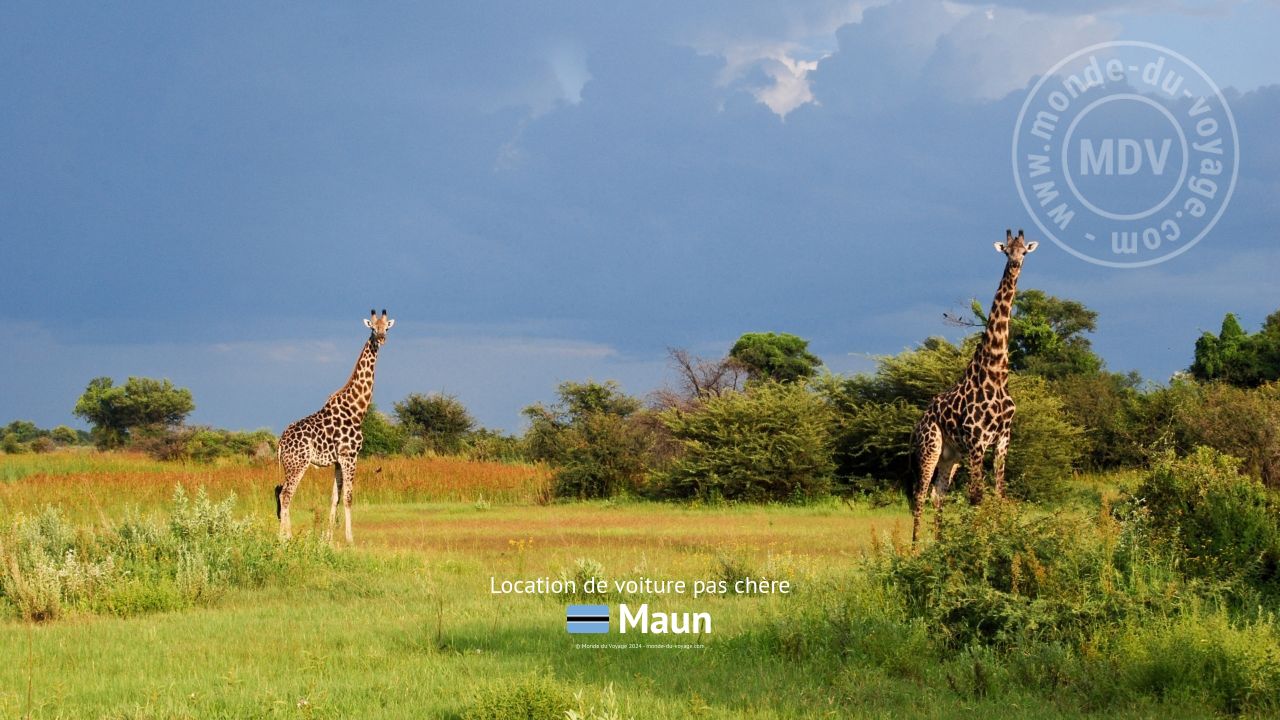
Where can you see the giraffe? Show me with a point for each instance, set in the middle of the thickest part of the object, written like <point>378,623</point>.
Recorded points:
<point>332,435</point>
<point>964,422</point>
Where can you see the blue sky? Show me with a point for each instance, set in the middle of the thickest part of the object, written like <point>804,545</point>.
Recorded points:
<point>541,192</point>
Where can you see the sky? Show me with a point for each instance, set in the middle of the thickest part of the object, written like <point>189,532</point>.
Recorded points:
<point>540,192</point>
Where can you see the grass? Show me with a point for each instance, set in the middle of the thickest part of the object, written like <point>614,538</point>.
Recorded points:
<point>92,484</point>
<point>406,627</point>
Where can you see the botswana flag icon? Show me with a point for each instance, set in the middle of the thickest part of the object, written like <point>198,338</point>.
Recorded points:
<point>587,618</point>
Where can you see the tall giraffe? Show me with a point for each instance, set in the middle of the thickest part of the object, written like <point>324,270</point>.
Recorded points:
<point>332,435</point>
<point>975,415</point>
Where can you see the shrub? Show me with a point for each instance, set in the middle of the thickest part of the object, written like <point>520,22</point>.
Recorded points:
<point>381,436</point>
<point>1044,445</point>
<point>11,445</point>
<point>1222,524</point>
<point>48,567</point>
<point>584,570</point>
<point>596,438</point>
<point>64,435</point>
<point>493,446</point>
<point>1241,422</point>
<point>440,420</point>
<point>1233,665</point>
<point>205,444</point>
<point>772,442</point>
<point>1005,577</point>
<point>1115,418</point>
<point>532,697</point>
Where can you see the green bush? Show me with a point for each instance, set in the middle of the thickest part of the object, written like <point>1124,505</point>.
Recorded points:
<point>596,438</point>
<point>205,444</point>
<point>441,421</point>
<point>493,446</point>
<point>1223,525</point>
<point>1044,446</point>
<point>381,436</point>
<point>1241,422</point>
<point>49,568</point>
<point>1114,415</point>
<point>1004,577</point>
<point>532,697</point>
<point>772,442</point>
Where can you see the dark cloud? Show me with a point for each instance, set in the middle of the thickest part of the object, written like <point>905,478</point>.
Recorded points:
<point>178,182</point>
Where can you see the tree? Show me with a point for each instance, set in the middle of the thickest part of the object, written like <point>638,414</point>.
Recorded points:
<point>24,431</point>
<point>115,412</point>
<point>698,378</point>
<point>775,356</point>
<point>64,435</point>
<point>595,436</point>
<point>440,420</point>
<point>381,436</point>
<point>772,442</point>
<point>1237,357</point>
<point>1046,335</point>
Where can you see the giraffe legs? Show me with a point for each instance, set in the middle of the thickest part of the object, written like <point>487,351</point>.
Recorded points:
<point>928,452</point>
<point>347,468</point>
<point>977,481</point>
<point>333,503</point>
<point>946,473</point>
<point>284,496</point>
<point>1002,449</point>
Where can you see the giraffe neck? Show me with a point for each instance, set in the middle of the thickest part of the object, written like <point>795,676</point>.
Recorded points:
<point>357,394</point>
<point>992,356</point>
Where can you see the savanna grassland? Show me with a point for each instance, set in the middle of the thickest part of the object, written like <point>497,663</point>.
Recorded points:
<point>404,625</point>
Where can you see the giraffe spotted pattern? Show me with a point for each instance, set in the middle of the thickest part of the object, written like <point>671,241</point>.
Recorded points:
<point>332,435</point>
<point>963,423</point>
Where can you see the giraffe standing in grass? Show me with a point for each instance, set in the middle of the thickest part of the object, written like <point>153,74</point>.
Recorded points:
<point>961,424</point>
<point>332,435</point>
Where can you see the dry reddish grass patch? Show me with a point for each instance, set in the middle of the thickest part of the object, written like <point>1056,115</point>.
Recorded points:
<point>87,483</point>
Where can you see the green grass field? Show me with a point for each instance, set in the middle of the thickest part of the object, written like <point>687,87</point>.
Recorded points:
<point>406,626</point>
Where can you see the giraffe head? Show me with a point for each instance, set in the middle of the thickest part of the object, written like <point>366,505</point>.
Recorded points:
<point>379,326</point>
<point>1016,248</point>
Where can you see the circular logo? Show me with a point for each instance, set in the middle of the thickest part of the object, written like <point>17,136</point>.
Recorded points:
<point>1125,154</point>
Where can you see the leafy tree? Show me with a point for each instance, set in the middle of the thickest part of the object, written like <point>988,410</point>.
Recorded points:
<point>772,442</point>
<point>1242,422</point>
<point>381,436</point>
<point>141,403</point>
<point>580,400</point>
<point>775,356</point>
<point>1119,420</point>
<point>1237,357</point>
<point>24,431</point>
<point>1046,335</point>
<point>64,435</point>
<point>440,420</point>
<point>596,438</point>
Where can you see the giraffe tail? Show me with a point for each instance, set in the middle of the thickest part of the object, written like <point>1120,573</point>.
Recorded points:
<point>279,489</point>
